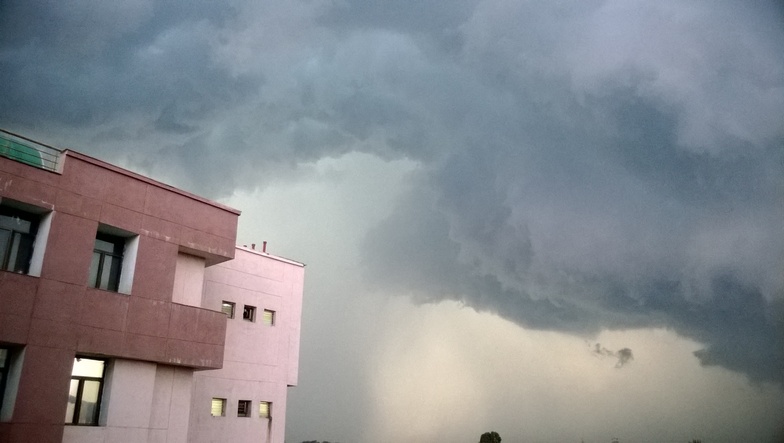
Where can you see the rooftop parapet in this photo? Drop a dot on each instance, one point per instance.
(27, 151)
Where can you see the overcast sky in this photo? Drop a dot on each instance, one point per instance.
(558, 220)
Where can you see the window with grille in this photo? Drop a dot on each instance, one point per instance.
(249, 313)
(227, 308)
(218, 408)
(268, 317)
(84, 394)
(243, 408)
(265, 409)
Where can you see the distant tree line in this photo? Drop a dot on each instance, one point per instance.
(490, 437)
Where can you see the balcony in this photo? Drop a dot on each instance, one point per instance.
(27, 151)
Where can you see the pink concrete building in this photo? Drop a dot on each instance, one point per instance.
(262, 298)
(114, 295)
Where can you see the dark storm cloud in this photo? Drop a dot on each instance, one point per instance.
(583, 165)
(609, 206)
(407, 15)
(623, 355)
(85, 63)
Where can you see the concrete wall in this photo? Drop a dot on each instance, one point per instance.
(142, 402)
(54, 315)
(188, 280)
(260, 361)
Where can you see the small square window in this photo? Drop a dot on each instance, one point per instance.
(218, 407)
(243, 408)
(268, 317)
(265, 409)
(249, 313)
(228, 308)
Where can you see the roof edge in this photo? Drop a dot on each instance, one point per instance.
(268, 255)
(106, 165)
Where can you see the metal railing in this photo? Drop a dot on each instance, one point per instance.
(27, 151)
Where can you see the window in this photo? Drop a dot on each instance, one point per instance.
(107, 262)
(84, 396)
(11, 358)
(265, 409)
(228, 308)
(5, 362)
(268, 317)
(249, 313)
(218, 408)
(17, 235)
(243, 408)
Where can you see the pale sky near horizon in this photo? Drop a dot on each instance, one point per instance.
(562, 220)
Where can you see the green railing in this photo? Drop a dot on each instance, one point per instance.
(28, 151)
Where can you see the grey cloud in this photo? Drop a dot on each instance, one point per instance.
(583, 229)
(583, 165)
(623, 355)
(102, 62)
(406, 15)
(599, 208)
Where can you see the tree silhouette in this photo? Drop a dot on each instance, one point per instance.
(490, 437)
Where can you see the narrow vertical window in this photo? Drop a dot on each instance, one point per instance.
(249, 313)
(227, 308)
(243, 408)
(107, 262)
(5, 362)
(17, 236)
(218, 407)
(265, 409)
(11, 358)
(84, 395)
(268, 317)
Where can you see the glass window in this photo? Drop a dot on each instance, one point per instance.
(107, 262)
(249, 313)
(4, 364)
(243, 408)
(268, 317)
(218, 408)
(84, 396)
(17, 235)
(265, 409)
(228, 308)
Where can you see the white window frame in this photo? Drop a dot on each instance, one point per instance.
(43, 222)
(81, 379)
(130, 252)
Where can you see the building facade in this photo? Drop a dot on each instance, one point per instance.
(261, 296)
(108, 328)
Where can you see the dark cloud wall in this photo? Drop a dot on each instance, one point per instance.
(583, 165)
(579, 209)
